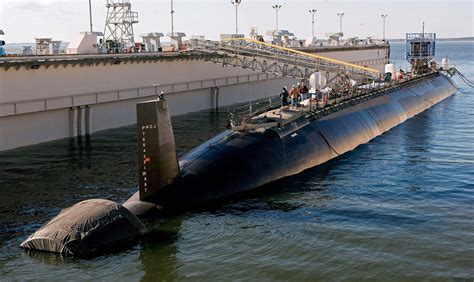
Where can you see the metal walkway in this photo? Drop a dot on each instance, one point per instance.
(255, 55)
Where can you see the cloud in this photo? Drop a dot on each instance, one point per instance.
(28, 5)
(54, 7)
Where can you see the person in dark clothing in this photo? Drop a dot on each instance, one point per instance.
(284, 97)
(303, 91)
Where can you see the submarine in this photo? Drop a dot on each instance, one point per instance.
(238, 161)
(264, 147)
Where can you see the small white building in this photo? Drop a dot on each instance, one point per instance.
(56, 46)
(48, 46)
(176, 39)
(283, 38)
(151, 41)
(310, 41)
(353, 41)
(334, 39)
(84, 43)
(43, 46)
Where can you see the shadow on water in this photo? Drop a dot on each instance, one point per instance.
(159, 250)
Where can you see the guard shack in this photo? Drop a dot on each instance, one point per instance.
(420, 51)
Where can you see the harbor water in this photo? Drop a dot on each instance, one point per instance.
(398, 207)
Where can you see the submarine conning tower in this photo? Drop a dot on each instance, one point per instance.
(420, 51)
(157, 159)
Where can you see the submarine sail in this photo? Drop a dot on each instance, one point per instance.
(157, 159)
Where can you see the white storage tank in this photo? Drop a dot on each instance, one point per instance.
(317, 81)
(390, 68)
(445, 63)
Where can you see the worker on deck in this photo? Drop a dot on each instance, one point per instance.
(298, 88)
(303, 91)
(284, 97)
(294, 94)
(316, 97)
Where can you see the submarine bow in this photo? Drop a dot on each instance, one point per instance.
(85, 228)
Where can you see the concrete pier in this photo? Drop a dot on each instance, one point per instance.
(45, 98)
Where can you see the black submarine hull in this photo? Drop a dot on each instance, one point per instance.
(236, 162)
(226, 165)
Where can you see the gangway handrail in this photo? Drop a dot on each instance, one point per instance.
(271, 58)
(374, 71)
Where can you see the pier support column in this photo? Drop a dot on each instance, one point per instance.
(215, 98)
(73, 122)
(81, 121)
(88, 120)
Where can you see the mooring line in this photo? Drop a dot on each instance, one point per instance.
(449, 109)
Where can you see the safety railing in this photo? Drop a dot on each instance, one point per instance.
(252, 116)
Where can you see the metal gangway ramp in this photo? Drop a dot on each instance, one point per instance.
(269, 58)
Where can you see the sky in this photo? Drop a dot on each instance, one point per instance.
(24, 20)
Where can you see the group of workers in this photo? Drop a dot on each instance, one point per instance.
(297, 94)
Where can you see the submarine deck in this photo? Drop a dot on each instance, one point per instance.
(328, 104)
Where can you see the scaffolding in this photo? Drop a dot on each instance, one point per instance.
(118, 33)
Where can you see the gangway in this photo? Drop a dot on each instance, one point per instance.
(262, 56)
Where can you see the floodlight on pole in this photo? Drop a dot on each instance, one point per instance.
(172, 19)
(277, 8)
(383, 18)
(90, 14)
(312, 12)
(340, 21)
(236, 3)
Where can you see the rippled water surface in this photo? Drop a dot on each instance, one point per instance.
(399, 207)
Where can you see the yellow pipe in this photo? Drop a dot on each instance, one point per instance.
(305, 54)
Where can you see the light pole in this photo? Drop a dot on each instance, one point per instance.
(172, 20)
(383, 18)
(90, 14)
(340, 21)
(312, 12)
(276, 7)
(236, 3)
